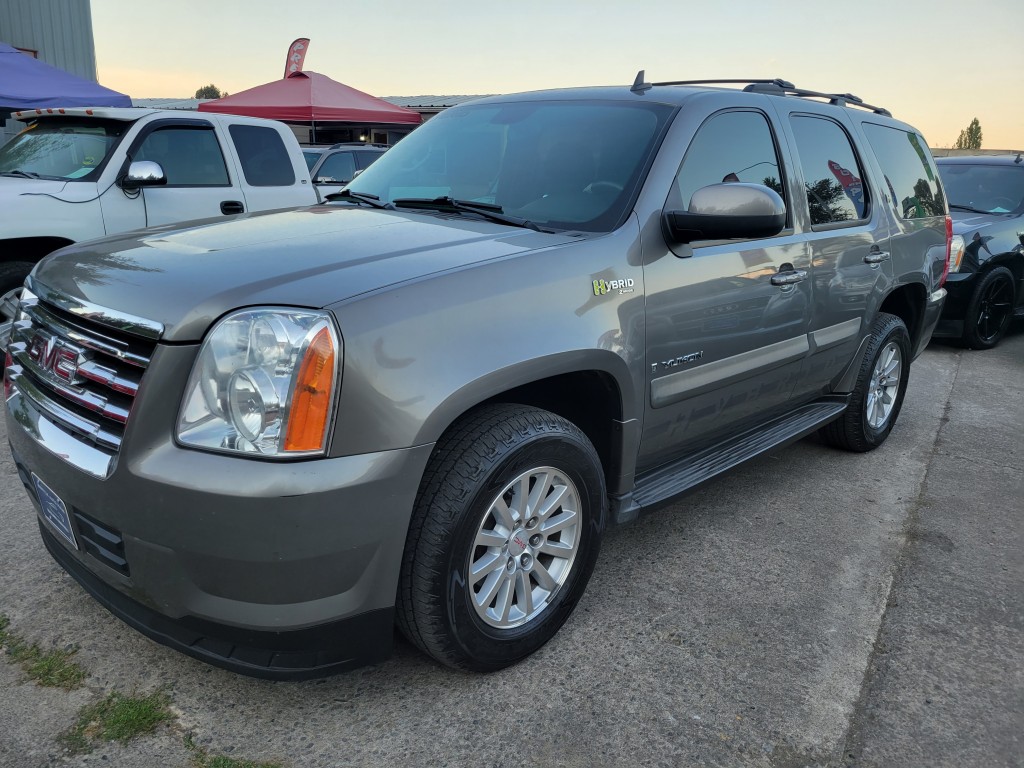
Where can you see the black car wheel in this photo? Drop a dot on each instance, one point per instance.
(878, 394)
(990, 309)
(503, 538)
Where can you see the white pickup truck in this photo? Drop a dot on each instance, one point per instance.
(78, 174)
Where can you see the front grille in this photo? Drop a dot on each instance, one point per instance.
(82, 375)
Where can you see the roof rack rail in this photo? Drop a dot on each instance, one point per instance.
(775, 87)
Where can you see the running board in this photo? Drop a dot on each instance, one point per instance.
(676, 478)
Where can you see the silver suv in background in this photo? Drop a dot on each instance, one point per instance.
(331, 168)
(537, 316)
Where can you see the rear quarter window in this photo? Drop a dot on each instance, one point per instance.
(909, 171)
(265, 160)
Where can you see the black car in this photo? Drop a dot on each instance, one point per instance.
(986, 280)
(333, 167)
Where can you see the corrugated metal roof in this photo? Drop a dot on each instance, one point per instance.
(168, 103)
(60, 31)
(431, 102)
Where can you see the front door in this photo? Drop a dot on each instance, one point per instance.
(724, 342)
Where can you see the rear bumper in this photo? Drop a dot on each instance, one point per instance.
(932, 313)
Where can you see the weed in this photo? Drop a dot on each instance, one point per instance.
(117, 718)
(53, 669)
(202, 759)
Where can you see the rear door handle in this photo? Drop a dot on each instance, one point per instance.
(876, 257)
(231, 206)
(790, 277)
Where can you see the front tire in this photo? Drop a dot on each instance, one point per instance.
(878, 394)
(990, 309)
(503, 539)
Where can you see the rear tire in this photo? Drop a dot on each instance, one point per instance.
(878, 395)
(990, 309)
(503, 539)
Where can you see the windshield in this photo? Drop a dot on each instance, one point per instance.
(985, 188)
(61, 148)
(565, 165)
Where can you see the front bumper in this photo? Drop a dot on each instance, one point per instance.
(273, 569)
(959, 287)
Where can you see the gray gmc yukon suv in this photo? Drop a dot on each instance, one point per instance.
(267, 441)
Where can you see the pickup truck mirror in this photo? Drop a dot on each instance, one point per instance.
(726, 211)
(143, 173)
(327, 180)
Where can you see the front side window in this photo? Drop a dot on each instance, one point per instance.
(339, 167)
(909, 171)
(190, 157)
(728, 147)
(558, 164)
(265, 160)
(61, 148)
(832, 176)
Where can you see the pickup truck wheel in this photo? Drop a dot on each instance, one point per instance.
(878, 394)
(989, 310)
(503, 539)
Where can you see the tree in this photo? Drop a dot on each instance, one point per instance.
(210, 91)
(970, 137)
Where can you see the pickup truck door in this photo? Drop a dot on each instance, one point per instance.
(271, 176)
(199, 185)
(725, 340)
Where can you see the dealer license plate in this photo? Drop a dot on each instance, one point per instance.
(54, 510)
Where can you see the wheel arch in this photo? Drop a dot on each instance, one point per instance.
(30, 249)
(908, 303)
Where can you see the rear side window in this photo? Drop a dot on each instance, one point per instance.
(909, 171)
(366, 159)
(265, 161)
(190, 157)
(832, 176)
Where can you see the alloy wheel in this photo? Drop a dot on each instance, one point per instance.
(884, 386)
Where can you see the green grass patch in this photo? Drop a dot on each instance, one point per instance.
(117, 718)
(53, 669)
(202, 759)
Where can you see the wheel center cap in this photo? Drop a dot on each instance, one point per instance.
(517, 543)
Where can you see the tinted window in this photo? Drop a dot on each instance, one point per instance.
(61, 148)
(989, 188)
(909, 171)
(832, 176)
(729, 147)
(310, 158)
(340, 167)
(566, 165)
(190, 157)
(366, 159)
(265, 161)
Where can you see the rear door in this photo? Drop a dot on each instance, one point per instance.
(272, 176)
(848, 236)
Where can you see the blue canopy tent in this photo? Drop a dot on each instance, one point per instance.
(27, 83)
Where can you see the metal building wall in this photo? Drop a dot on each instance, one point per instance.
(60, 30)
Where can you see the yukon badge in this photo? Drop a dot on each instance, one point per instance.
(601, 287)
(681, 360)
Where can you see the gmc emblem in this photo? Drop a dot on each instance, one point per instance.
(54, 357)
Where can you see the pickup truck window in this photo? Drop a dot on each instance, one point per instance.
(728, 147)
(560, 165)
(910, 173)
(832, 175)
(265, 161)
(61, 148)
(341, 167)
(190, 157)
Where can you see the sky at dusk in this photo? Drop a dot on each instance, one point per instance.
(935, 65)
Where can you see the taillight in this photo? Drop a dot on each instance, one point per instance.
(949, 250)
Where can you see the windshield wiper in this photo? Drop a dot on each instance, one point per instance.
(969, 208)
(360, 197)
(17, 172)
(487, 210)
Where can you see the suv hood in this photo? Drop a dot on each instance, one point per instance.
(185, 278)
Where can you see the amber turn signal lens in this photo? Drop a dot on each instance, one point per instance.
(311, 404)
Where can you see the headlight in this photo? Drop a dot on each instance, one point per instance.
(264, 384)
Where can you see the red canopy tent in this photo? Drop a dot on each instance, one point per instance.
(311, 97)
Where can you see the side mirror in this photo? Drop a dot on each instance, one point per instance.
(143, 173)
(727, 211)
(327, 180)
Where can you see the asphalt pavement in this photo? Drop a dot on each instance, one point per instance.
(813, 608)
